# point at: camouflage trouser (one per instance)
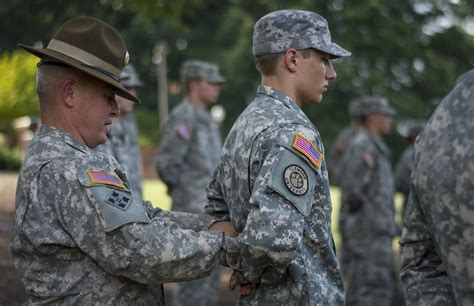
(372, 276)
(198, 292)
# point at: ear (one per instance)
(69, 92)
(291, 59)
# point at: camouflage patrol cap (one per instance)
(279, 31)
(373, 104)
(196, 69)
(129, 77)
(354, 109)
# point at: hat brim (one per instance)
(120, 90)
(216, 80)
(334, 50)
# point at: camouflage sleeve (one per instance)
(115, 231)
(281, 198)
(216, 205)
(175, 142)
(358, 162)
(423, 273)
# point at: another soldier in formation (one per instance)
(272, 180)
(122, 138)
(80, 236)
(189, 152)
(437, 242)
(410, 130)
(336, 170)
(368, 196)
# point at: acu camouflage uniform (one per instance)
(81, 237)
(368, 206)
(278, 198)
(189, 152)
(122, 143)
(437, 242)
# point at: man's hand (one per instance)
(224, 226)
(245, 288)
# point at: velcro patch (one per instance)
(104, 178)
(119, 199)
(183, 132)
(306, 147)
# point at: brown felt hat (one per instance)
(91, 46)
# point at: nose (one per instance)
(114, 109)
(330, 72)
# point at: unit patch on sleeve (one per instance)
(105, 178)
(119, 199)
(296, 180)
(307, 148)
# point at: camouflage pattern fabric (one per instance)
(190, 148)
(281, 30)
(189, 151)
(122, 143)
(81, 237)
(369, 227)
(335, 167)
(278, 199)
(437, 242)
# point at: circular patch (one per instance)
(296, 180)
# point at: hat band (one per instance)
(85, 57)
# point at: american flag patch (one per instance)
(307, 149)
(105, 178)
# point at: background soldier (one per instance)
(368, 195)
(437, 241)
(80, 236)
(189, 152)
(122, 136)
(272, 180)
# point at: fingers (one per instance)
(224, 226)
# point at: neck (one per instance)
(283, 84)
(196, 101)
(374, 131)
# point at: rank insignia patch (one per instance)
(104, 178)
(119, 199)
(307, 148)
(296, 180)
(183, 132)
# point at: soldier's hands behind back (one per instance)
(224, 226)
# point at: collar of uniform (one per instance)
(47, 130)
(200, 114)
(275, 93)
(379, 144)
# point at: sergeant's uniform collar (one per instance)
(275, 93)
(47, 130)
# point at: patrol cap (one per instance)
(196, 69)
(91, 46)
(281, 30)
(354, 109)
(129, 77)
(373, 104)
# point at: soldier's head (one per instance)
(131, 81)
(202, 81)
(79, 76)
(296, 45)
(375, 114)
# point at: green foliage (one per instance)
(9, 159)
(409, 51)
(17, 86)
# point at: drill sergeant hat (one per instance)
(91, 46)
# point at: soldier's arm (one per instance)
(117, 233)
(423, 273)
(175, 142)
(216, 205)
(275, 224)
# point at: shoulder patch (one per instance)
(98, 177)
(308, 149)
(296, 180)
(369, 159)
(183, 132)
